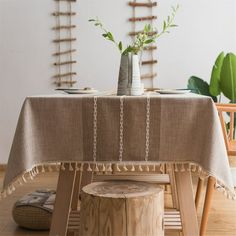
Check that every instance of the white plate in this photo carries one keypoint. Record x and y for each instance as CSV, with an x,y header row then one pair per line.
x,y
78,91
172,91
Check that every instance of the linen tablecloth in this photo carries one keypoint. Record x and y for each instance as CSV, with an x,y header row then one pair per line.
x,y
101,130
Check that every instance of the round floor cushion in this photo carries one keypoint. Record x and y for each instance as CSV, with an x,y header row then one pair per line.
x,y
34,210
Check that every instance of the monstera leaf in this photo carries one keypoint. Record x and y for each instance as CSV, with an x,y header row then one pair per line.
x,y
228,76
215,75
200,86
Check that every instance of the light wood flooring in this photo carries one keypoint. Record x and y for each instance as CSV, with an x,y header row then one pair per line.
x,y
222,219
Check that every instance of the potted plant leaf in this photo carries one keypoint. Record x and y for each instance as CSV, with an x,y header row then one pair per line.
x,y
129,74
223,80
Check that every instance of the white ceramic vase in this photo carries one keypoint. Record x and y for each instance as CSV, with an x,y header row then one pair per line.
x,y
135,87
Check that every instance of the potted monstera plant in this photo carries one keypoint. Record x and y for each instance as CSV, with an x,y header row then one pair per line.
x,y
129,74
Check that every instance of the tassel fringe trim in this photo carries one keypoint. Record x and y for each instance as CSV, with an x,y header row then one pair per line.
x,y
115,167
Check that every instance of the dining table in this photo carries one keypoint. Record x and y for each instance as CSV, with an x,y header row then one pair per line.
x,y
78,135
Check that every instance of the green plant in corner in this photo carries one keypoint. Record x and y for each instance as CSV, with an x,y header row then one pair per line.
x,y
223,79
147,36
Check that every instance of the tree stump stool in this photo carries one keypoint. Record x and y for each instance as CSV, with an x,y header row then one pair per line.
x,y
122,208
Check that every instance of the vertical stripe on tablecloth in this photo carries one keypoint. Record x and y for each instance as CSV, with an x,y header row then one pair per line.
x,y
147,128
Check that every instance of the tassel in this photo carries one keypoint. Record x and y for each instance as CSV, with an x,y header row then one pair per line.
x,y
147,168
117,168
49,168
9,191
140,168
124,167
82,167
162,168
176,168
30,175
63,166
89,168
199,169
189,167
133,168
19,182
37,169
70,167
77,166
24,179
109,168
96,168
13,188
182,168
42,169
57,167
194,168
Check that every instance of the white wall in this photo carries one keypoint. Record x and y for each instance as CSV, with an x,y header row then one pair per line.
x,y
205,28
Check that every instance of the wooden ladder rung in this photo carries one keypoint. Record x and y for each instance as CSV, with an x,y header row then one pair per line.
x,y
138,32
157,178
142,4
64,40
61,27
149,62
64,63
145,18
64,52
150,48
65,75
60,13
149,76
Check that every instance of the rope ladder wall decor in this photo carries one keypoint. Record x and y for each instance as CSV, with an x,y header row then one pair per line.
x,y
65,74
148,60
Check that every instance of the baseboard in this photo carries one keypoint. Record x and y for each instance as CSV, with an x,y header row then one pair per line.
x,y
3,167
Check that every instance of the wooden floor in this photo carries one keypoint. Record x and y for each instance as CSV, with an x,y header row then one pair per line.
x,y
222,220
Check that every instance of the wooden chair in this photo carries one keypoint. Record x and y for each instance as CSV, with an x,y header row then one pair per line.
x,y
230,143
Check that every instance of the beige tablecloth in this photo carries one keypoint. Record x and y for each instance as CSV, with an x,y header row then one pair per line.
x,y
111,129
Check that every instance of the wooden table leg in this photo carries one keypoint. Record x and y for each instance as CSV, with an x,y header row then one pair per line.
x,y
63,201
186,203
207,204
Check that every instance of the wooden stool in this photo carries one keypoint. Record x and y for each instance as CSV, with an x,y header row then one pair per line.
x,y
122,208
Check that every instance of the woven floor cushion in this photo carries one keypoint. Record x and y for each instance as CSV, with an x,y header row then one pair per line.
x,y
34,210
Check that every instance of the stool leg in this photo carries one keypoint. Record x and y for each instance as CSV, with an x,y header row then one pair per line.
x,y
198,192
207,205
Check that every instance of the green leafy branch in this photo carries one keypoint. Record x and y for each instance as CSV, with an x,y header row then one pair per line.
x,y
107,34
169,22
147,36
